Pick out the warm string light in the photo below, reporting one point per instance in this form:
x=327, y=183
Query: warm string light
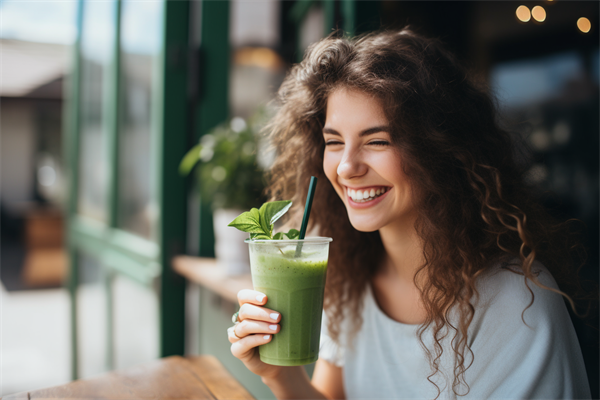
x=538, y=13
x=584, y=24
x=523, y=14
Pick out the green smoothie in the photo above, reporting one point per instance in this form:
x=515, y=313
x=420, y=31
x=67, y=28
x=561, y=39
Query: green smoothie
x=294, y=287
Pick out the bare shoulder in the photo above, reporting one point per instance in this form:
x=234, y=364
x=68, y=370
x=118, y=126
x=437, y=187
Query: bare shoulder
x=328, y=379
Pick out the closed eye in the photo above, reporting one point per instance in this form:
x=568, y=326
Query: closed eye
x=380, y=143
x=332, y=142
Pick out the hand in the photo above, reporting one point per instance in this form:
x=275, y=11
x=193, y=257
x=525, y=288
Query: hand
x=258, y=325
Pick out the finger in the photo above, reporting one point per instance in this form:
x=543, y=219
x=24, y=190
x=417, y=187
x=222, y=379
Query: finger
x=251, y=327
x=249, y=311
x=243, y=348
x=231, y=335
x=251, y=296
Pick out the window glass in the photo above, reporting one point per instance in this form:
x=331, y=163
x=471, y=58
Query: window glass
x=257, y=69
x=92, y=317
x=596, y=66
x=527, y=82
x=97, y=44
x=140, y=48
x=136, y=322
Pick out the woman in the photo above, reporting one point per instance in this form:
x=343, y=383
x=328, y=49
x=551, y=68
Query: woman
x=439, y=277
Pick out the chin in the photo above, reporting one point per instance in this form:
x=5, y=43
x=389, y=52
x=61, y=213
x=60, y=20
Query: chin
x=364, y=224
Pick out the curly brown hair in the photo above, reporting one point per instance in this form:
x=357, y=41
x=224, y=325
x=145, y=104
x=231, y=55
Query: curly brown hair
x=474, y=207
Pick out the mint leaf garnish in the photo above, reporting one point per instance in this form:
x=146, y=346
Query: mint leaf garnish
x=271, y=212
x=259, y=223
x=249, y=221
x=293, y=234
x=259, y=236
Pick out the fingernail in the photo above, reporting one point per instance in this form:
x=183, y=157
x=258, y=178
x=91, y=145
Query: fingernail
x=274, y=316
x=273, y=327
x=266, y=336
x=260, y=298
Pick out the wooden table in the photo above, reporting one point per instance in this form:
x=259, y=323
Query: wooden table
x=201, y=377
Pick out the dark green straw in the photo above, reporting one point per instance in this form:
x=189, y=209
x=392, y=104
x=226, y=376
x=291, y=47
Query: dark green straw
x=309, y=200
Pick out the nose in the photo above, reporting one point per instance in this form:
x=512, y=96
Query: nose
x=351, y=165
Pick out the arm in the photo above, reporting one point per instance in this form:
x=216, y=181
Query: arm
x=293, y=383
x=328, y=379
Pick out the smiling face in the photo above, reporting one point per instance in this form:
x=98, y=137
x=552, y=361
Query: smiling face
x=362, y=164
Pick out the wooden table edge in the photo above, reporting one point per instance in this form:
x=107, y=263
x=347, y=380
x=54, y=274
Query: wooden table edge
x=220, y=383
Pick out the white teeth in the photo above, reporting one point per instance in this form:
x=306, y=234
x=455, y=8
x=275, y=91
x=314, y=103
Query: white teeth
x=367, y=195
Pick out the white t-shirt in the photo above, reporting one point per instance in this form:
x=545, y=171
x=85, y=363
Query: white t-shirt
x=511, y=360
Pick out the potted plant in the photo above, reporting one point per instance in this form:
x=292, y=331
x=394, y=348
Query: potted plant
x=231, y=178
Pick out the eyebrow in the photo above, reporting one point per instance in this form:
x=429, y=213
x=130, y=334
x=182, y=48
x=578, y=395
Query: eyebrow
x=366, y=132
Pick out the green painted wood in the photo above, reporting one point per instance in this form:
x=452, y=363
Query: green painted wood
x=73, y=281
x=213, y=104
x=112, y=101
x=113, y=252
x=172, y=128
x=299, y=11
x=329, y=7
x=110, y=331
x=71, y=150
x=140, y=272
x=360, y=16
x=112, y=107
x=84, y=229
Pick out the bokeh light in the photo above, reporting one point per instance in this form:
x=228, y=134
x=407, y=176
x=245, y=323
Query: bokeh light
x=523, y=14
x=538, y=13
x=584, y=24
x=46, y=176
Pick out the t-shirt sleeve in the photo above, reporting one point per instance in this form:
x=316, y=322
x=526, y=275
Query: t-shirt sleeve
x=329, y=350
x=539, y=357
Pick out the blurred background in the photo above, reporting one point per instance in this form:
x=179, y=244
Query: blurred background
x=101, y=100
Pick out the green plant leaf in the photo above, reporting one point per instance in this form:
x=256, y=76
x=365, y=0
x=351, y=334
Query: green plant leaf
x=190, y=160
x=272, y=211
x=280, y=236
x=293, y=234
x=267, y=228
x=259, y=236
x=249, y=221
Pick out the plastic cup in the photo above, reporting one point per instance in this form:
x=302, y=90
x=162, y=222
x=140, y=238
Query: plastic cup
x=294, y=286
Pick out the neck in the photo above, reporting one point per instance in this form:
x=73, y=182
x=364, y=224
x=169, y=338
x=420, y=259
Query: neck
x=404, y=250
